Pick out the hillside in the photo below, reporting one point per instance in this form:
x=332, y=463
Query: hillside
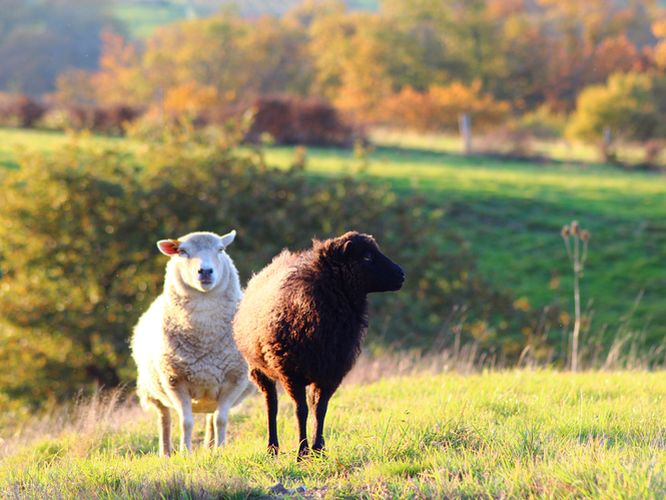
x=511, y=214
x=512, y=434
x=142, y=17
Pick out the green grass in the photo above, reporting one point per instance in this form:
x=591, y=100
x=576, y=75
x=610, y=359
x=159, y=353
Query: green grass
x=14, y=142
x=515, y=434
x=141, y=21
x=511, y=213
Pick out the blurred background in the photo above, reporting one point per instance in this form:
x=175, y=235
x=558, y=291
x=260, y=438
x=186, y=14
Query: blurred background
x=462, y=134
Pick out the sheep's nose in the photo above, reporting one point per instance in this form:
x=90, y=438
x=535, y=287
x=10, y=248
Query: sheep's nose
x=206, y=271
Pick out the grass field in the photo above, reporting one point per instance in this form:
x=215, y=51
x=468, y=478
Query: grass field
x=142, y=19
x=495, y=435
x=511, y=213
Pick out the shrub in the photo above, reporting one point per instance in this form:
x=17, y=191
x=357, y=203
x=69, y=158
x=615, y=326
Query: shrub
x=299, y=121
x=19, y=110
x=440, y=107
x=625, y=105
x=542, y=123
x=105, y=120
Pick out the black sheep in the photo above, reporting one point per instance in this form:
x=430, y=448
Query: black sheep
x=302, y=320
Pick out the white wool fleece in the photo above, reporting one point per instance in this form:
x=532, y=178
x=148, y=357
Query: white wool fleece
x=183, y=345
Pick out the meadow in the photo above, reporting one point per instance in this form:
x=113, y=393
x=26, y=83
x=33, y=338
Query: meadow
x=424, y=433
x=510, y=213
x=513, y=434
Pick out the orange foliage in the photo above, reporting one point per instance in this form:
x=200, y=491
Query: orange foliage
x=659, y=51
x=119, y=80
x=190, y=99
x=614, y=55
x=440, y=107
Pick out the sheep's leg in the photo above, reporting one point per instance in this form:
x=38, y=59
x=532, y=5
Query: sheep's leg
x=209, y=439
x=319, y=398
x=227, y=399
x=186, y=426
x=267, y=387
x=183, y=404
x=164, y=429
x=297, y=392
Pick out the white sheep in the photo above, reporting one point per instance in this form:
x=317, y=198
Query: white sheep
x=183, y=344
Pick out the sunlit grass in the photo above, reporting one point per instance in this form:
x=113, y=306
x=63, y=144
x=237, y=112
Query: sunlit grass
x=512, y=434
x=559, y=150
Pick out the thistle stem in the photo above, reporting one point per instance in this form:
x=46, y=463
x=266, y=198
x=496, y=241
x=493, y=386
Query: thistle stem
x=576, y=330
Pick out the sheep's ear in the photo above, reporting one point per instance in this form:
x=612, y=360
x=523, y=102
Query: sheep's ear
x=168, y=247
x=228, y=238
x=348, y=248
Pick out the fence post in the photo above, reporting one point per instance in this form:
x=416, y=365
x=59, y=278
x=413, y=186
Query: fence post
x=465, y=127
x=607, y=144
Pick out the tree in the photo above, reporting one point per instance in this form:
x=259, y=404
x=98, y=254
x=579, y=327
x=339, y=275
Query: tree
x=41, y=39
x=625, y=105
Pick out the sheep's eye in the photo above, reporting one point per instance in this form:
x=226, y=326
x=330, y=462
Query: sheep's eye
x=367, y=257
x=183, y=253
x=221, y=249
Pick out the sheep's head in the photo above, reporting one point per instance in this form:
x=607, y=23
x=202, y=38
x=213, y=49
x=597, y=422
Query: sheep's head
x=371, y=270
x=199, y=259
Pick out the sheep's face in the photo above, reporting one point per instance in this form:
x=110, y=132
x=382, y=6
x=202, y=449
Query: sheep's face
x=199, y=259
x=372, y=270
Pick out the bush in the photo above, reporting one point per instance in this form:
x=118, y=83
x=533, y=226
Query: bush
x=299, y=121
x=440, y=107
x=104, y=120
x=625, y=106
x=542, y=123
x=18, y=110
x=79, y=264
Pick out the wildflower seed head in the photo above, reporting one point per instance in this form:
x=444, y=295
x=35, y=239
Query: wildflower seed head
x=584, y=235
x=574, y=228
x=565, y=231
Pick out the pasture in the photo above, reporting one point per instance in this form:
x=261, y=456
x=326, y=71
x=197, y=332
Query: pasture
x=495, y=434
x=510, y=213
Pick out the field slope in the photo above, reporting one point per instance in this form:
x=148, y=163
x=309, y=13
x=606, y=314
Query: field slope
x=511, y=434
x=511, y=213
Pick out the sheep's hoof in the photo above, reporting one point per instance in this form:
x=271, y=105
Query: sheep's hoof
x=318, y=452
x=273, y=450
x=303, y=453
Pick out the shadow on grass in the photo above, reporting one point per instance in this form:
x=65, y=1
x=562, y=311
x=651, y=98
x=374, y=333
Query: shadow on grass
x=181, y=488
x=118, y=487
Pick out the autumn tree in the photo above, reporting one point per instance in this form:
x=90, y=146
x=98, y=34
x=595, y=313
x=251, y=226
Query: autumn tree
x=628, y=107
x=439, y=108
